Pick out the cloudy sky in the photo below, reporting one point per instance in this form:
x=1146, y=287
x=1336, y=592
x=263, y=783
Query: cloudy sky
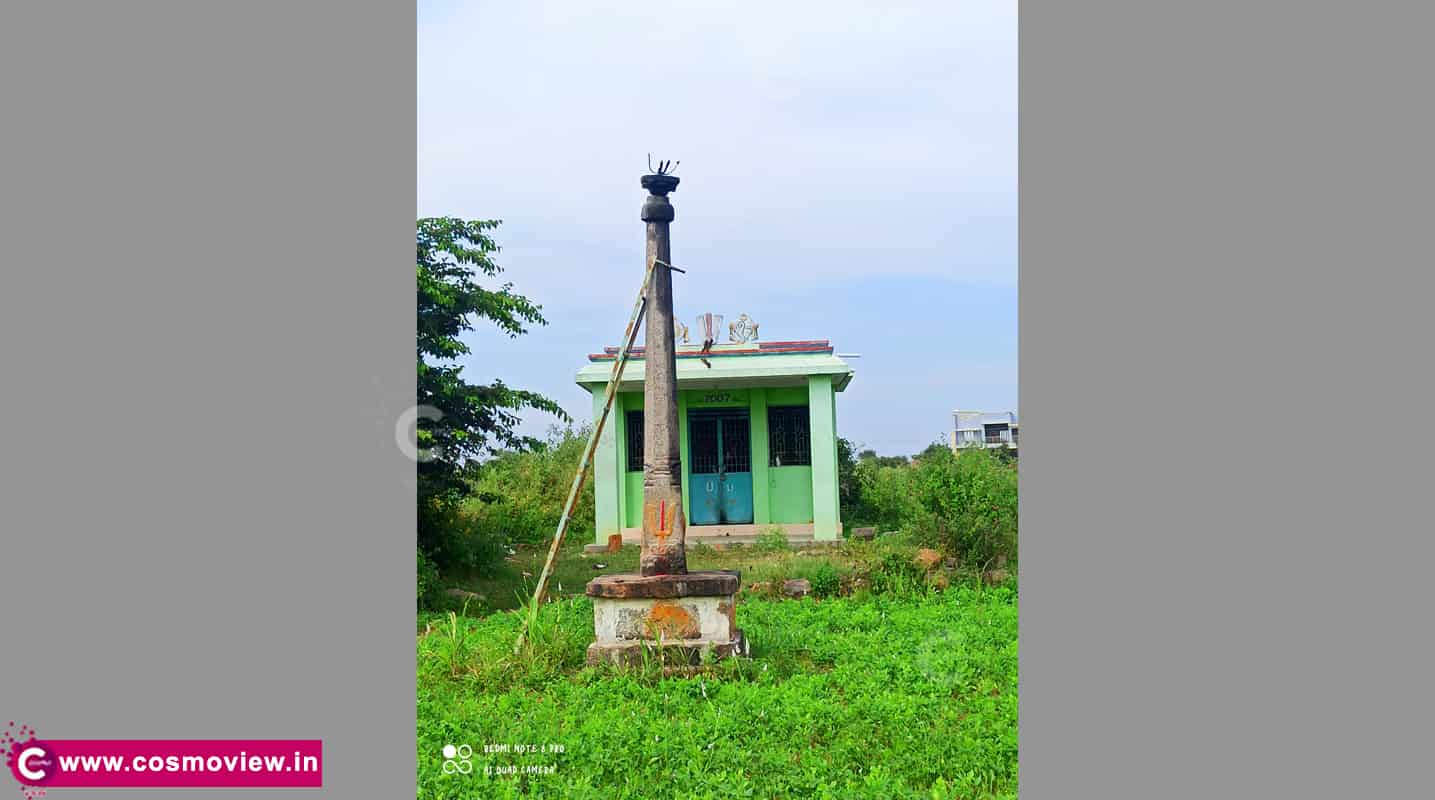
x=849, y=172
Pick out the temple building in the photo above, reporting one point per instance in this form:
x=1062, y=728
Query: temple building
x=758, y=434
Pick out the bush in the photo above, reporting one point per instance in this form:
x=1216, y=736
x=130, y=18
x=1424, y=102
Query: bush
x=896, y=573
x=427, y=580
x=884, y=496
x=460, y=543
x=964, y=504
x=772, y=540
x=518, y=496
x=825, y=580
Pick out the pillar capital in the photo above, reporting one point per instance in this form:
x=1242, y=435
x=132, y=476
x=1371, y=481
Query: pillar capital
x=657, y=208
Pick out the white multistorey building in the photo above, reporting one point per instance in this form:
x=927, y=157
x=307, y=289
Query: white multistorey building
x=984, y=429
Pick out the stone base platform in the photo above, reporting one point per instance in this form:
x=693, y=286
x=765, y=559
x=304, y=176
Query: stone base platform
x=683, y=616
x=683, y=652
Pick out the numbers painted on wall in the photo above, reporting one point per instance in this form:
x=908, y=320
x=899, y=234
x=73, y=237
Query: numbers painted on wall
x=718, y=397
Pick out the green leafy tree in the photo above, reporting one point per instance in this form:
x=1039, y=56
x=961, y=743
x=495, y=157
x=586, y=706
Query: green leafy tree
x=870, y=455
x=937, y=449
x=462, y=422
x=847, y=491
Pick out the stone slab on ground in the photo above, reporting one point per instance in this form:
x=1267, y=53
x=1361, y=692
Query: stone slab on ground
x=995, y=576
x=799, y=587
x=865, y=534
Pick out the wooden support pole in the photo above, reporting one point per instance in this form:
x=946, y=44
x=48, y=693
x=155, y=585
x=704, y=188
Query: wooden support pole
x=629, y=336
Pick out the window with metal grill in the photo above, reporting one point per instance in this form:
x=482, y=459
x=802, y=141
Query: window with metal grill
x=736, y=444
x=703, y=449
x=635, y=441
x=789, y=437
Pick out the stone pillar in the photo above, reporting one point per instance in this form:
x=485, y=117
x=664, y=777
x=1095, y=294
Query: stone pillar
x=665, y=610
x=664, y=524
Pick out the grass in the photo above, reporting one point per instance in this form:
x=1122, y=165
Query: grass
x=766, y=563
x=908, y=694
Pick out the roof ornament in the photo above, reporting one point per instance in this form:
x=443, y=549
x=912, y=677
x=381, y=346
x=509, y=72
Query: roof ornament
x=709, y=324
x=742, y=330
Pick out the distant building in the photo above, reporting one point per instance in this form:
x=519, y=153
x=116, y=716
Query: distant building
x=984, y=429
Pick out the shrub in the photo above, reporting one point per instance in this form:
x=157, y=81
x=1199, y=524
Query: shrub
x=884, y=496
x=772, y=540
x=518, y=496
x=825, y=580
x=427, y=580
x=896, y=573
x=965, y=504
x=464, y=545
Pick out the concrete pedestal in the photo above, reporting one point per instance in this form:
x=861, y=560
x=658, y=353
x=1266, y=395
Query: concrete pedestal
x=684, y=616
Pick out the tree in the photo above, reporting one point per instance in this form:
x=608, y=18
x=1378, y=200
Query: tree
x=462, y=421
x=847, y=489
x=935, y=448
x=870, y=455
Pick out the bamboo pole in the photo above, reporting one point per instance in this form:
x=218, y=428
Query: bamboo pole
x=577, y=488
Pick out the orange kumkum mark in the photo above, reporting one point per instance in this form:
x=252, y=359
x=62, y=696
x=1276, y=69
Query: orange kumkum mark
x=672, y=621
x=665, y=528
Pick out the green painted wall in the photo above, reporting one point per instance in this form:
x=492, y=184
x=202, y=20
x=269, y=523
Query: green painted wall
x=787, y=396
x=630, y=492
x=605, y=476
x=791, y=493
x=761, y=488
x=683, y=451
x=826, y=522
x=718, y=398
x=633, y=499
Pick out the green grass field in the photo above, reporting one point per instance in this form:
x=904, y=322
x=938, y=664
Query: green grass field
x=901, y=694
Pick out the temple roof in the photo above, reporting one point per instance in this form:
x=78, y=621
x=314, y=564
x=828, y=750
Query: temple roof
x=749, y=364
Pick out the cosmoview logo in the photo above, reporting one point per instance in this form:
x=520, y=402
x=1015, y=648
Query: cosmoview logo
x=40, y=766
x=30, y=760
x=457, y=759
x=35, y=762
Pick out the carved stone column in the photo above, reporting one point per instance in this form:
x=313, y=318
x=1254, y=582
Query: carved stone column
x=664, y=526
x=665, y=609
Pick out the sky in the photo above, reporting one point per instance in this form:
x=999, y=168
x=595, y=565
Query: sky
x=849, y=172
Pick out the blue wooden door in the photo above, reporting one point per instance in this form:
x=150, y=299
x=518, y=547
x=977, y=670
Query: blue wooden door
x=736, y=470
x=720, y=467
x=705, y=491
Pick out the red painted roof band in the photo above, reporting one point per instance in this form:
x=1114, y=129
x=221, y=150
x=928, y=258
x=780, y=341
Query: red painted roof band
x=764, y=348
